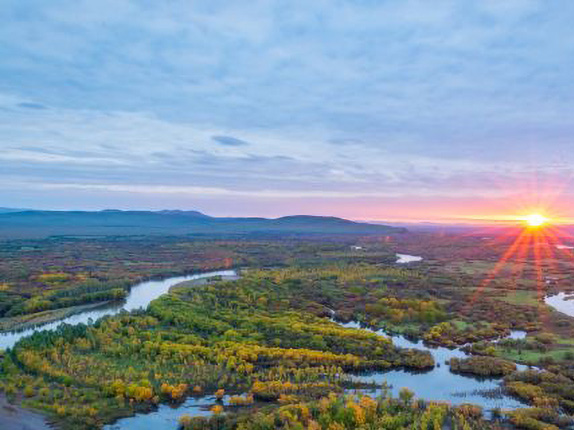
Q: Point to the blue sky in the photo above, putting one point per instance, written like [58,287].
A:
[363,109]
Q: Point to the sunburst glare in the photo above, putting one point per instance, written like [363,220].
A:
[536,220]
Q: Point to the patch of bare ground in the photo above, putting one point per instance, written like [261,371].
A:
[14,417]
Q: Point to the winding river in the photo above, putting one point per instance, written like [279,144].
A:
[436,384]
[440,383]
[140,296]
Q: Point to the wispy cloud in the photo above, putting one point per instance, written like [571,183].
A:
[354,100]
[229,141]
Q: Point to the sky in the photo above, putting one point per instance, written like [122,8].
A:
[372,110]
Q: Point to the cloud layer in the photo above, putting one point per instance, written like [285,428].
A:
[361,109]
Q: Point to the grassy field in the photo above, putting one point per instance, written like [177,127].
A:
[521,297]
[526,356]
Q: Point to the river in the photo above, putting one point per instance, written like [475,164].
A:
[435,384]
[167,416]
[440,383]
[140,296]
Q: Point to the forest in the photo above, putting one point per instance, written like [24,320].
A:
[59,272]
[270,346]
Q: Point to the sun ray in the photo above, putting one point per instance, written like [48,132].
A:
[558,244]
[540,282]
[497,267]
[535,220]
[520,264]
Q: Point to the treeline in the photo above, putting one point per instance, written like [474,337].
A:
[258,335]
[337,412]
[406,310]
[450,334]
[29,269]
[89,291]
[482,366]
[551,389]
[521,317]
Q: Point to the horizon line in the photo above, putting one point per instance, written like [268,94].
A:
[494,221]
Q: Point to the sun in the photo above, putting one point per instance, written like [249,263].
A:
[535,220]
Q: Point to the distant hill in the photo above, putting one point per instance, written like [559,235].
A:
[37,223]
[6,210]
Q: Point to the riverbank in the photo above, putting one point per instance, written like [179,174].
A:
[202,281]
[28,321]
[438,383]
[561,302]
[14,417]
[139,297]
[234,310]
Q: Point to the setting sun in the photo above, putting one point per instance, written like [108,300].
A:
[535,220]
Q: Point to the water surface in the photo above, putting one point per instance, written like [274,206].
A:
[435,384]
[440,383]
[562,302]
[140,296]
[166,417]
[406,258]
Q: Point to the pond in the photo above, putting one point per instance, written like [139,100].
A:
[406,258]
[562,302]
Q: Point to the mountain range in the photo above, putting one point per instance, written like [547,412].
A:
[40,223]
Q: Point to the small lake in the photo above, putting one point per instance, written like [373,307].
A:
[562,302]
[140,296]
[406,258]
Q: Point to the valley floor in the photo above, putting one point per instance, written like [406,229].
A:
[271,335]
